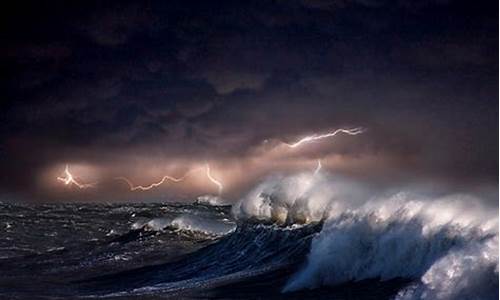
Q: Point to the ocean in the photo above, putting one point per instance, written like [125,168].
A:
[262,247]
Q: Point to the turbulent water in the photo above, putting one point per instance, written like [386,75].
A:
[297,237]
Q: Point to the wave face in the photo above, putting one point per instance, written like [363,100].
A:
[306,236]
[248,252]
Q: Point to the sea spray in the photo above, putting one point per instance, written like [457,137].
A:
[299,199]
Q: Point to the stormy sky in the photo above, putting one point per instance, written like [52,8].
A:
[144,89]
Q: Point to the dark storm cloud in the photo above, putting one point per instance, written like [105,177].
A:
[116,25]
[179,79]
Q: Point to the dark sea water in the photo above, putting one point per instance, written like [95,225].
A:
[173,251]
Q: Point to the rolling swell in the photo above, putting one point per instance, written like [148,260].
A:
[251,250]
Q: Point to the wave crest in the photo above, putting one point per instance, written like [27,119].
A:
[186,223]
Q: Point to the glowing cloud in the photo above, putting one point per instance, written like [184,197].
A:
[316,137]
[69,179]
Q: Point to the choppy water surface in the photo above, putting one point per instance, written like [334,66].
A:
[283,240]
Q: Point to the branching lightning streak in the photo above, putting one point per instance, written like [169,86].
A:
[173,179]
[213,180]
[318,168]
[155,184]
[69,179]
[315,137]
[152,185]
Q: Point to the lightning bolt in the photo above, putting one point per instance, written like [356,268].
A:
[152,185]
[213,180]
[315,137]
[173,179]
[318,168]
[156,184]
[69,179]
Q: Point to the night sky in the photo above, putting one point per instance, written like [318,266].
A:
[147,88]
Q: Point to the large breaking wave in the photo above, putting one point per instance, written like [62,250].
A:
[447,246]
